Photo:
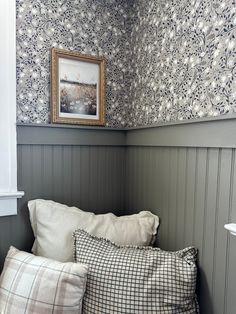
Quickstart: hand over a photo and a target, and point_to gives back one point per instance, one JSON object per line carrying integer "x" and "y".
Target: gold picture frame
{"x": 77, "y": 88}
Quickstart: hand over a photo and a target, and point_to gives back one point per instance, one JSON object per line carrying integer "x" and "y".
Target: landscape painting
{"x": 78, "y": 98}
{"x": 78, "y": 95}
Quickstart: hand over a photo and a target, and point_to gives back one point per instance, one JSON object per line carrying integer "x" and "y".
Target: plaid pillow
{"x": 30, "y": 284}
{"x": 136, "y": 279}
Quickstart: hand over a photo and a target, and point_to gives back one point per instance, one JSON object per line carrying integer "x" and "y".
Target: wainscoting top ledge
{"x": 208, "y": 133}
{"x": 59, "y": 135}
{"x": 70, "y": 126}
{"x": 215, "y": 133}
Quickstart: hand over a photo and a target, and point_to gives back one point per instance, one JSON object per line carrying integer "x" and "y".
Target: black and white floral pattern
{"x": 184, "y": 60}
{"x": 88, "y": 26}
{"x": 167, "y": 60}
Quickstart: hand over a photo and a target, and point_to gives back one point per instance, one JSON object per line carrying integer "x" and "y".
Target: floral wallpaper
{"x": 184, "y": 60}
{"x": 88, "y": 26}
{"x": 167, "y": 60}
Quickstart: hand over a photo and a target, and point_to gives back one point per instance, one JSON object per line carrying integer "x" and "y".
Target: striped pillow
{"x": 30, "y": 284}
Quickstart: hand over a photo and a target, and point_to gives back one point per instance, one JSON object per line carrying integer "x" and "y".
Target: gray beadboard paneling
{"x": 88, "y": 176}
{"x": 87, "y": 171}
{"x": 191, "y": 186}
{"x": 193, "y": 190}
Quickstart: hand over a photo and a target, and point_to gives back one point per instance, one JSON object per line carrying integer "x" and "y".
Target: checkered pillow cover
{"x": 136, "y": 279}
{"x": 30, "y": 284}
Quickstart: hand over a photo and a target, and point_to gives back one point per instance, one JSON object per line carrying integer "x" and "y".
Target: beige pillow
{"x": 53, "y": 225}
{"x": 32, "y": 284}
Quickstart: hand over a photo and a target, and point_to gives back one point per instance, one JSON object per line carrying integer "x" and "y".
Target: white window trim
{"x": 8, "y": 161}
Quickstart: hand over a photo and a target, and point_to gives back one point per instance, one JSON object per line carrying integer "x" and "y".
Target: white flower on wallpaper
{"x": 184, "y": 60}
{"x": 167, "y": 60}
{"x": 88, "y": 26}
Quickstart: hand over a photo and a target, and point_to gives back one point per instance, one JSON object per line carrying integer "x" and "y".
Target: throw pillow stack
{"x": 96, "y": 264}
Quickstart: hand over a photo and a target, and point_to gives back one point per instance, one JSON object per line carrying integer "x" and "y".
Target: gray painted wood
{"x": 219, "y": 133}
{"x": 89, "y": 177}
{"x": 230, "y": 291}
{"x": 220, "y": 245}
{"x": 186, "y": 175}
{"x": 86, "y": 176}
{"x": 45, "y": 135}
{"x": 196, "y": 197}
{"x": 203, "y": 134}
{"x": 207, "y": 259}
{"x": 190, "y": 196}
{"x": 180, "y": 203}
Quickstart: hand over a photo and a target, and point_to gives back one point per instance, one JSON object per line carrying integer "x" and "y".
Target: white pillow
{"x": 33, "y": 284}
{"x": 53, "y": 225}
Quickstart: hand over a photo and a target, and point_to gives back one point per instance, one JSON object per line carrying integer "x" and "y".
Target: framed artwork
{"x": 77, "y": 88}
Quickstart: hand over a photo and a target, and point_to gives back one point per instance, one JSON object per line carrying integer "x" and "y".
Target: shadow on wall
{"x": 203, "y": 292}
{"x": 16, "y": 231}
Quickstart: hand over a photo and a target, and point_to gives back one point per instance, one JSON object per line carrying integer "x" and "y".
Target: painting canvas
{"x": 77, "y": 88}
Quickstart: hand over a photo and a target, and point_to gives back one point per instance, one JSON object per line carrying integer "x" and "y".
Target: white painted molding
{"x": 8, "y": 207}
{"x": 11, "y": 195}
{"x": 8, "y": 162}
{"x": 231, "y": 228}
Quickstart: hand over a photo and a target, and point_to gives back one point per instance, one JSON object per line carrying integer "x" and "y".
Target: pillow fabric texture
{"x": 136, "y": 279}
{"x": 53, "y": 225}
{"x": 31, "y": 284}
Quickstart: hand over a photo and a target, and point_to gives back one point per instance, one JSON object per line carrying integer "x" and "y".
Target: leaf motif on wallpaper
{"x": 73, "y": 25}
{"x": 200, "y": 43}
{"x": 212, "y": 96}
{"x": 211, "y": 36}
{"x": 166, "y": 52}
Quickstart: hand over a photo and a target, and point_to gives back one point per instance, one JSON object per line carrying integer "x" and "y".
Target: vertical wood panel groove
{"x": 216, "y": 222}
{"x": 53, "y": 172}
{"x": 176, "y": 197}
{"x": 205, "y": 204}
{"x": 89, "y": 176}
{"x": 194, "y": 202}
{"x": 63, "y": 171}
{"x": 191, "y": 169}
{"x": 221, "y": 251}
{"x": 162, "y": 193}
{"x": 228, "y": 236}
{"x": 42, "y": 170}
{"x": 71, "y": 174}
{"x": 168, "y": 196}
{"x": 185, "y": 193}
{"x": 193, "y": 190}
{"x": 195, "y": 194}
{"x": 231, "y": 275}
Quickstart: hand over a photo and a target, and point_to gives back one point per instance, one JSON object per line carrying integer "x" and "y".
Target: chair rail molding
{"x": 8, "y": 169}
